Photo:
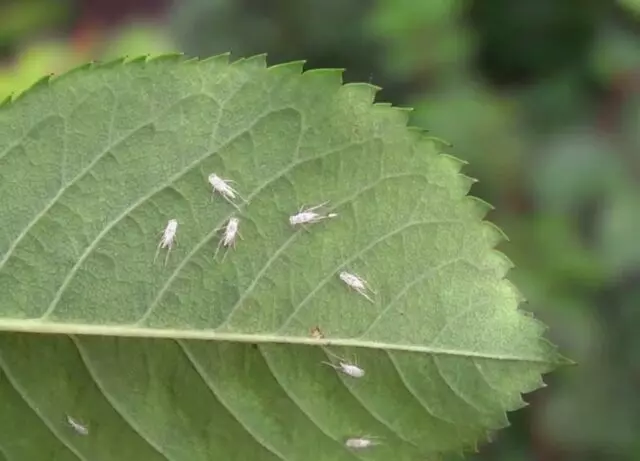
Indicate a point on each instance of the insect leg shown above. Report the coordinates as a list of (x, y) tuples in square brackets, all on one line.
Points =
[(318, 206)]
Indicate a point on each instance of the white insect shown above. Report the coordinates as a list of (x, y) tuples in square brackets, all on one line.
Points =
[(230, 234), (309, 216), (357, 283), (168, 238), (347, 368), (222, 187), (79, 428), (360, 442)]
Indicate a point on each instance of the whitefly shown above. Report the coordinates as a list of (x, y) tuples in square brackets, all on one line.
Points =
[(349, 369), (223, 187), (310, 216), (357, 283), (80, 428), (359, 443), (168, 239), (230, 235)]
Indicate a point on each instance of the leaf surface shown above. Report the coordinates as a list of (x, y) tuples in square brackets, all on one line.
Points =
[(212, 355)]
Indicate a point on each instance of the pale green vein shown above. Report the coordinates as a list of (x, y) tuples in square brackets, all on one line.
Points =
[(456, 391), (285, 245), (484, 378), (114, 402), (132, 207), (292, 396), (210, 234), (461, 313), (48, 424), (417, 396), (343, 380), (353, 257), (214, 392), (342, 264), (37, 326), (27, 133), (421, 278), (80, 175)]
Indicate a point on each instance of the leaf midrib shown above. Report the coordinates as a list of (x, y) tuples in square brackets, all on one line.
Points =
[(37, 326)]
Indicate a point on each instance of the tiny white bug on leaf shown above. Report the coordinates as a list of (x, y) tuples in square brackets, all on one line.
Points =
[(230, 235), (78, 427), (360, 442), (309, 216), (357, 283), (349, 369), (168, 239), (222, 187)]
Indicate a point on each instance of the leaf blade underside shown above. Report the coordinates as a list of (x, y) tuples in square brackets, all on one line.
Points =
[(91, 169)]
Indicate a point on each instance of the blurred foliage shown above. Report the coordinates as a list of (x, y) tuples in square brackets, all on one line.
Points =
[(57, 56), (27, 18), (632, 5), (542, 98)]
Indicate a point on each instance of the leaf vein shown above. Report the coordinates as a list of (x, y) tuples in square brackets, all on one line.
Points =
[(454, 389), (290, 240), (373, 413), (294, 399), (353, 257), (81, 174), (425, 275), (132, 207), (23, 394), (37, 326), (198, 369), (86, 360), (415, 394), (215, 229)]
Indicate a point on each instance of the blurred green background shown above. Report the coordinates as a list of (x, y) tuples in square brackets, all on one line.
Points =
[(542, 97)]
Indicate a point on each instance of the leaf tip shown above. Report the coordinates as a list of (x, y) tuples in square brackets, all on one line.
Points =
[(440, 141), (136, 59), (116, 62), (7, 100), (166, 57), (42, 82), (222, 58), (257, 60), (293, 67), (332, 78)]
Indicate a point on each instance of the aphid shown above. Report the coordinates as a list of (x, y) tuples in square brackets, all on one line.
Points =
[(347, 368), (357, 283), (317, 333), (230, 235), (309, 216), (79, 428), (360, 442), (222, 187), (168, 239)]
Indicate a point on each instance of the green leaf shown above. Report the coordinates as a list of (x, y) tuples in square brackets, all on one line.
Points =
[(213, 357)]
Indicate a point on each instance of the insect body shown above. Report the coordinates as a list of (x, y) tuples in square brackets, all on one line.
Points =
[(222, 187), (230, 234), (168, 238), (347, 368), (360, 442), (356, 283), (309, 216), (79, 428)]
